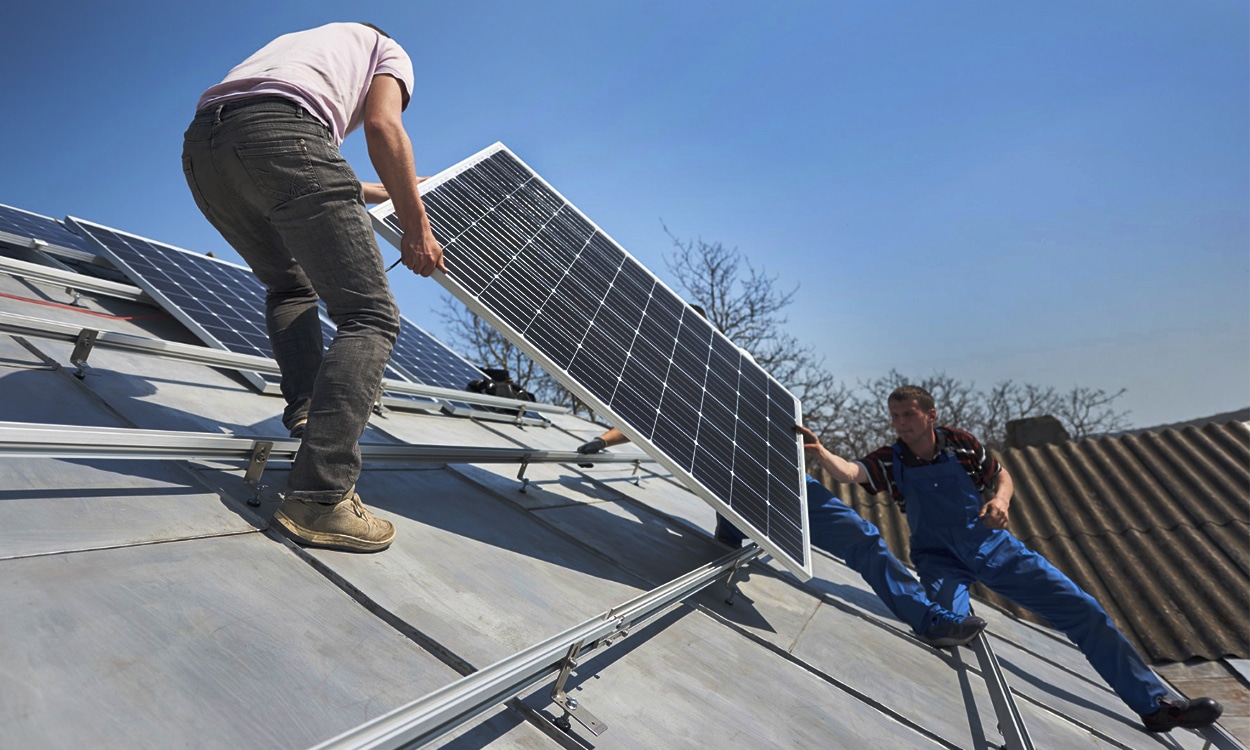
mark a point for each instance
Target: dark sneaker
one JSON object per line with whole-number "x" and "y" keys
{"x": 949, "y": 630}
{"x": 1187, "y": 714}
{"x": 297, "y": 429}
{"x": 346, "y": 525}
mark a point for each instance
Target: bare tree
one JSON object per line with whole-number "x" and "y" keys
{"x": 745, "y": 303}
{"x": 1084, "y": 412}
{"x": 486, "y": 347}
{"x": 1087, "y": 412}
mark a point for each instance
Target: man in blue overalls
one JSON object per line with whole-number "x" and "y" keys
{"x": 938, "y": 475}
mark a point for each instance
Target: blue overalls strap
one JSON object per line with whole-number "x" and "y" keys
{"x": 896, "y": 468}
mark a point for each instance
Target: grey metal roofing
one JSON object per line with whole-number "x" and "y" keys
{"x": 147, "y": 605}
{"x": 1156, "y": 526}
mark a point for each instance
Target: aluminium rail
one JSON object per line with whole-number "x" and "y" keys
{"x": 51, "y": 248}
{"x": 443, "y": 710}
{"x": 1010, "y": 720}
{"x": 35, "y": 440}
{"x": 24, "y": 325}
{"x": 71, "y": 280}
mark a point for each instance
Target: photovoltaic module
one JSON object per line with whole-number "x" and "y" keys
{"x": 529, "y": 263}
{"x": 224, "y": 304}
{"x": 23, "y": 226}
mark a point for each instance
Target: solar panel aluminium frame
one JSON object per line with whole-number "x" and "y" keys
{"x": 258, "y": 381}
{"x": 48, "y": 244}
{"x": 382, "y": 212}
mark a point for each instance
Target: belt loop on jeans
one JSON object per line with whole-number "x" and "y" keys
{"x": 217, "y": 114}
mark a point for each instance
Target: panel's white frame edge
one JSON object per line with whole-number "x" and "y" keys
{"x": 256, "y": 380}
{"x": 385, "y": 209}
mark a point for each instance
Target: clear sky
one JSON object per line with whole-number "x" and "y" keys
{"x": 1055, "y": 193}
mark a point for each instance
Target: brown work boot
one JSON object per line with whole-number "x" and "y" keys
{"x": 346, "y": 525}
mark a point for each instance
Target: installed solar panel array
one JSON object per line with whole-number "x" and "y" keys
{"x": 426, "y": 360}
{"x": 224, "y": 304}
{"x": 24, "y": 225}
{"x": 532, "y": 265}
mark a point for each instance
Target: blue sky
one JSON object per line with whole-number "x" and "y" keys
{"x": 1053, "y": 193}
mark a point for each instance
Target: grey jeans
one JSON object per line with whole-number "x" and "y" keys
{"x": 267, "y": 175}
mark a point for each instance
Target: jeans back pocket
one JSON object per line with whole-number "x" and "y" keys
{"x": 281, "y": 169}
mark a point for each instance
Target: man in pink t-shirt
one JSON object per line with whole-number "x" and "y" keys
{"x": 262, "y": 160}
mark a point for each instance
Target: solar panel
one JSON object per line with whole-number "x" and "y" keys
{"x": 426, "y": 360}
{"x": 224, "y": 304}
{"x": 529, "y": 263}
{"x": 23, "y": 226}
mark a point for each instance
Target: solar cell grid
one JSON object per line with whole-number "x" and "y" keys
{"x": 224, "y": 304}
{"x": 532, "y": 265}
{"x": 424, "y": 359}
{"x": 15, "y": 221}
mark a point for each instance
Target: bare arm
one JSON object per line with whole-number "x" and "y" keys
{"x": 614, "y": 437}
{"x": 375, "y": 192}
{"x": 391, "y": 154}
{"x": 994, "y": 513}
{"x": 840, "y": 470}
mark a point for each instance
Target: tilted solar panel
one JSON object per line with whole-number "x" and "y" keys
{"x": 532, "y": 265}
{"x": 23, "y": 226}
{"x": 224, "y": 304}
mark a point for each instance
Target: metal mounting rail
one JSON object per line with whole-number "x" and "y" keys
{"x": 23, "y": 325}
{"x": 1010, "y": 721}
{"x": 33, "y": 440}
{"x": 1218, "y": 737}
{"x": 73, "y": 280}
{"x": 78, "y": 256}
{"x": 427, "y": 718}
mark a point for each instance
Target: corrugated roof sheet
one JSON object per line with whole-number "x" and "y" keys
{"x": 1155, "y": 526}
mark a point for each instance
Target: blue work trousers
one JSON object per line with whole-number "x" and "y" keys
{"x": 837, "y": 529}
{"x": 268, "y": 176}
{"x": 951, "y": 548}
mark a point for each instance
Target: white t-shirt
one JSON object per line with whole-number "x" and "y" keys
{"x": 326, "y": 70}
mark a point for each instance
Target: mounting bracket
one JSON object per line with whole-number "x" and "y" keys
{"x": 729, "y": 582}
{"x": 255, "y": 468}
{"x": 378, "y": 407}
{"x": 82, "y": 349}
{"x": 525, "y": 482}
{"x": 572, "y": 707}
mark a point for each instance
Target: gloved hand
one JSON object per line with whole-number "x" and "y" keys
{"x": 594, "y": 446}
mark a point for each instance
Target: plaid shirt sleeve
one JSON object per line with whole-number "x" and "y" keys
{"x": 980, "y": 464}
{"x": 880, "y": 468}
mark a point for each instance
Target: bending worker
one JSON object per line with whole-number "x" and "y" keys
{"x": 262, "y": 160}
{"x": 937, "y": 475}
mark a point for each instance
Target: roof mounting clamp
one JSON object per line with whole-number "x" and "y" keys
{"x": 572, "y": 707}
{"x": 72, "y": 292}
{"x": 637, "y": 476}
{"x": 82, "y": 349}
{"x": 378, "y": 407}
{"x": 525, "y": 482}
{"x": 255, "y": 468}
{"x": 730, "y": 584}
